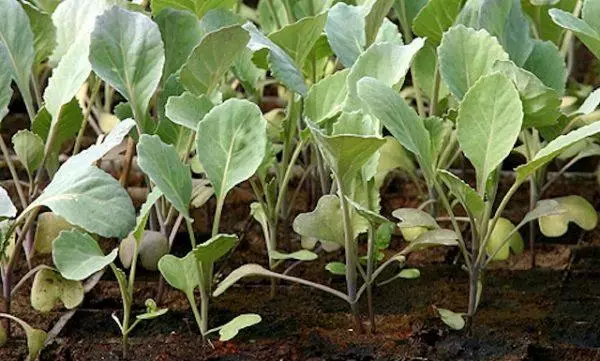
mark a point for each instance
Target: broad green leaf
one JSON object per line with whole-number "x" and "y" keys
{"x": 198, "y": 7}
{"x": 423, "y": 70}
{"x": 49, "y": 225}
{"x": 181, "y": 32}
{"x": 546, "y": 62}
{"x": 576, "y": 209}
{"x": 554, "y": 148}
{"x": 91, "y": 199}
{"x": 392, "y": 155}
{"x": 503, "y": 238}
{"x": 77, "y": 255}
{"x": 398, "y": 117}
{"x": 216, "y": 19}
{"x": 377, "y": 10}
{"x": 188, "y": 109}
{"x": 336, "y": 268}
{"x": 233, "y": 327}
{"x": 49, "y": 287}
{"x": 181, "y": 273}
{"x": 211, "y": 59}
{"x": 7, "y": 208}
{"x": 435, "y": 18}
{"x": 215, "y": 248}
{"x": 266, "y": 15}
{"x": 29, "y": 147}
{"x": 325, "y": 99}
{"x": 231, "y": 142}
{"x": 465, "y": 55}
{"x": 17, "y": 42}
{"x": 302, "y": 255}
{"x": 5, "y": 82}
{"x": 541, "y": 104}
{"x": 67, "y": 125}
{"x": 164, "y": 167}
{"x": 282, "y": 65}
{"x": 587, "y": 31}
{"x": 488, "y": 124}
{"x": 346, "y": 154}
{"x": 386, "y": 62}
{"x": 389, "y": 33}
{"x": 248, "y": 73}
{"x": 44, "y": 32}
{"x": 453, "y": 320}
{"x": 467, "y": 196}
{"x": 126, "y": 51}
{"x": 97, "y": 151}
{"x": 412, "y": 217}
{"x": 298, "y": 39}
{"x": 74, "y": 21}
{"x": 324, "y": 222}
{"x": 345, "y": 29}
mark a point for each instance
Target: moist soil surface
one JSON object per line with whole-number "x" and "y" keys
{"x": 548, "y": 313}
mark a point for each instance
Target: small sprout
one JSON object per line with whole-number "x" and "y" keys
{"x": 336, "y": 268}
{"x": 233, "y": 327}
{"x": 453, "y": 320}
{"x": 410, "y": 273}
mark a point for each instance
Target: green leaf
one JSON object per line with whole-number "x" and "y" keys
{"x": 465, "y": 55}
{"x": 336, "y": 268}
{"x": 377, "y": 10}
{"x": 503, "y": 238}
{"x": 386, "y": 62}
{"x": 388, "y": 33}
{"x": 282, "y": 65}
{"x": 16, "y": 41}
{"x": 346, "y": 154}
{"x": 302, "y": 255}
{"x": 77, "y": 255}
{"x": 324, "y": 222}
{"x": 44, "y": 32}
{"x": 126, "y": 51}
{"x": 74, "y": 21}
{"x": 49, "y": 287}
{"x": 49, "y": 225}
{"x": 5, "y": 82}
{"x": 325, "y": 99}
{"x": 589, "y": 104}
{"x": 587, "y": 31}
{"x": 398, "y": 117}
{"x": 233, "y": 327}
{"x": 7, "y": 208}
{"x": 164, "y": 167}
{"x": 541, "y": 104}
{"x": 488, "y": 124}
{"x": 410, "y": 273}
{"x": 29, "y": 147}
{"x": 188, "y": 109}
{"x": 435, "y": 18}
{"x": 89, "y": 198}
{"x": 211, "y": 59}
{"x": 198, "y": 7}
{"x": 152, "y": 311}
{"x": 298, "y": 39}
{"x": 546, "y": 62}
{"x": 202, "y": 191}
{"x": 424, "y": 69}
{"x": 181, "y": 32}
{"x": 554, "y": 148}
{"x": 345, "y": 32}
{"x": 392, "y": 155}
{"x": 576, "y": 209}
{"x": 216, "y": 247}
{"x": 181, "y": 273}
{"x": 372, "y": 217}
{"x": 436, "y": 237}
{"x": 467, "y": 196}
{"x": 244, "y": 271}
{"x": 231, "y": 142}
{"x": 453, "y": 320}
{"x": 412, "y": 217}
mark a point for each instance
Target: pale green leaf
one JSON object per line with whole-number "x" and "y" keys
{"x": 435, "y": 18}
{"x": 423, "y": 70}
{"x": 325, "y": 99}
{"x": 77, "y": 255}
{"x": 298, "y": 39}
{"x": 586, "y": 32}
{"x": 29, "y": 147}
{"x": 345, "y": 29}
{"x": 126, "y": 51}
{"x": 216, "y": 247}
{"x": 244, "y": 271}
{"x": 336, "y": 268}
{"x": 467, "y": 196}
{"x": 589, "y": 104}
{"x": 91, "y": 199}
{"x": 392, "y": 155}
{"x": 188, "y": 109}
{"x": 44, "y": 32}
{"x": 372, "y": 217}
{"x": 49, "y": 225}
{"x": 436, "y": 237}
{"x": 465, "y": 55}
{"x": 409, "y": 273}
{"x": 181, "y": 273}
{"x": 503, "y": 238}
{"x": 377, "y": 10}
{"x": 164, "y": 167}
{"x": 324, "y": 222}
{"x": 5, "y": 82}
{"x": 198, "y": 7}
{"x": 453, "y": 320}
{"x": 49, "y": 287}
{"x": 153, "y": 246}
{"x": 233, "y": 327}
{"x": 548, "y": 64}
{"x": 412, "y": 217}
{"x": 211, "y": 59}
{"x": 488, "y": 124}
{"x": 231, "y": 143}
{"x": 7, "y": 208}
{"x": 576, "y": 209}
{"x": 302, "y": 255}
{"x": 142, "y": 218}
{"x": 388, "y": 33}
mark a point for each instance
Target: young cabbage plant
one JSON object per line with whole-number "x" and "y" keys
{"x": 35, "y": 338}
{"x": 489, "y": 121}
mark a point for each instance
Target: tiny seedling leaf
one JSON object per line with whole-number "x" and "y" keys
{"x": 233, "y": 327}
{"x": 576, "y": 209}
{"x": 49, "y": 287}
{"x": 453, "y": 320}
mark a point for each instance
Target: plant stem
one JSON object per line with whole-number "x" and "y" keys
{"x": 86, "y": 114}
{"x": 567, "y": 40}
{"x": 271, "y": 7}
{"x": 13, "y": 173}
{"x": 127, "y": 160}
{"x": 437, "y": 81}
{"x": 218, "y": 211}
{"x": 370, "y": 261}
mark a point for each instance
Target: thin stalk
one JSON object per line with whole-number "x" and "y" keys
{"x": 127, "y": 160}
{"x": 128, "y": 303}
{"x": 287, "y": 176}
{"x": 533, "y": 197}
{"x": 559, "y": 174}
{"x": 86, "y": 115}
{"x": 218, "y": 211}
{"x": 437, "y": 81}
{"x": 271, "y": 7}
{"x": 568, "y": 39}
{"x": 36, "y": 90}
{"x": 197, "y": 317}
{"x": 13, "y": 173}
{"x": 370, "y": 262}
